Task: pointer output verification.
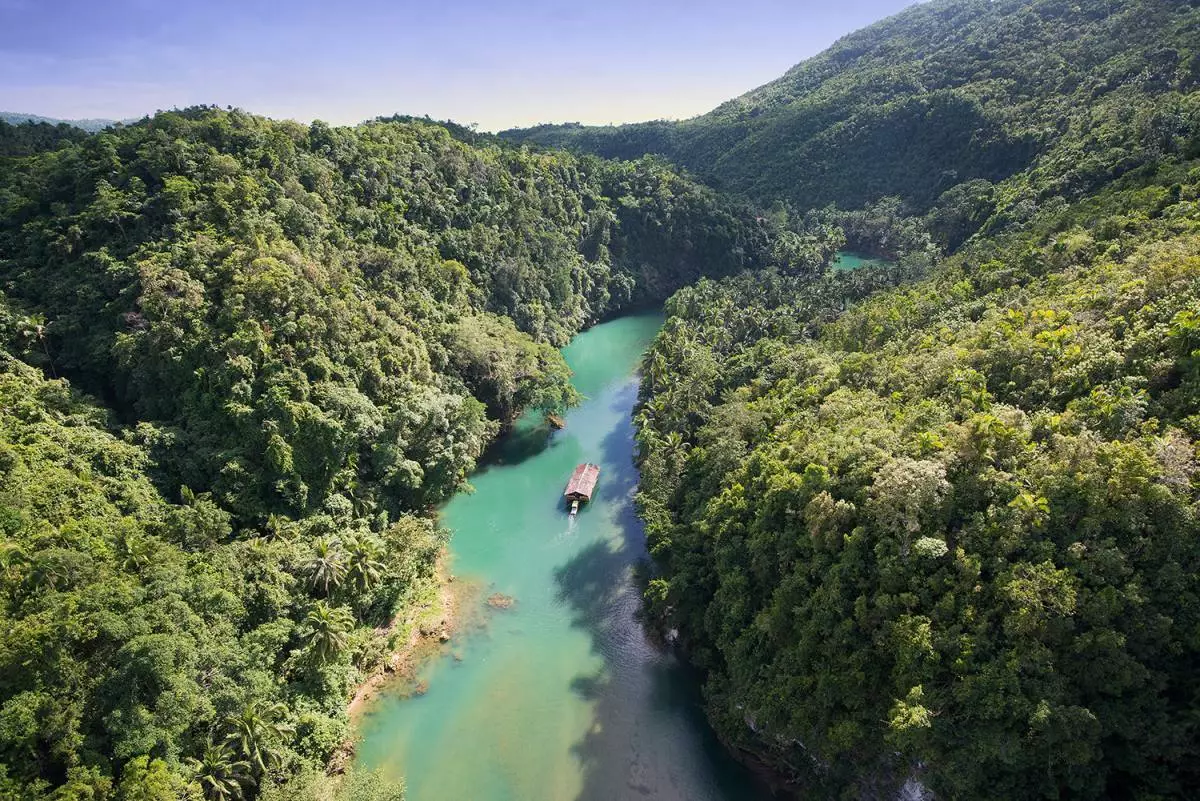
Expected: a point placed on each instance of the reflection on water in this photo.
(561, 696)
(528, 438)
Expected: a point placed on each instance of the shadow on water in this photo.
(651, 752)
(525, 441)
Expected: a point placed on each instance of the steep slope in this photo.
(196, 265)
(947, 530)
(136, 632)
(951, 532)
(944, 93)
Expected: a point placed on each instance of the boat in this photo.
(582, 485)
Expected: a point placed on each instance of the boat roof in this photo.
(583, 480)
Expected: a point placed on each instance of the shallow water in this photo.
(561, 696)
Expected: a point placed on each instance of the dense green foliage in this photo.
(283, 344)
(287, 307)
(935, 519)
(946, 94)
(951, 531)
(139, 633)
(947, 530)
(27, 138)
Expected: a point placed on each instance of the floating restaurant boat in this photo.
(582, 485)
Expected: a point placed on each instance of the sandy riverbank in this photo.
(421, 630)
(425, 625)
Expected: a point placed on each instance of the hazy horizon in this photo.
(494, 65)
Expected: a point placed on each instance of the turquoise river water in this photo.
(561, 697)
(850, 260)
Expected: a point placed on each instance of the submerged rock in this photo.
(499, 600)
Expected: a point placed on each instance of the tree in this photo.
(357, 784)
(144, 779)
(220, 775)
(508, 372)
(329, 627)
(258, 732)
(364, 563)
(35, 328)
(326, 569)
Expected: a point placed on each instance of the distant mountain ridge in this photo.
(90, 124)
(942, 94)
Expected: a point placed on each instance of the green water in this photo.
(562, 696)
(850, 260)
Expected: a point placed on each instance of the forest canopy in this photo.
(242, 361)
(936, 519)
(930, 520)
(946, 529)
(945, 95)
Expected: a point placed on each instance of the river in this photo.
(561, 697)
(852, 260)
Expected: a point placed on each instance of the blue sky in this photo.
(498, 63)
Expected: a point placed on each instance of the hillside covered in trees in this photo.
(941, 102)
(242, 360)
(938, 520)
(950, 532)
(934, 519)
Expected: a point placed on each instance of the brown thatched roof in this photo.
(583, 481)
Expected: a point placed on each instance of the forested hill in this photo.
(951, 532)
(946, 530)
(947, 92)
(240, 360)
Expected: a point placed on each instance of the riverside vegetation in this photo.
(948, 530)
(932, 520)
(242, 360)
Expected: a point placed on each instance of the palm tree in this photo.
(54, 568)
(365, 567)
(258, 733)
(330, 627)
(657, 370)
(134, 551)
(221, 777)
(675, 445)
(327, 568)
(13, 558)
(279, 528)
